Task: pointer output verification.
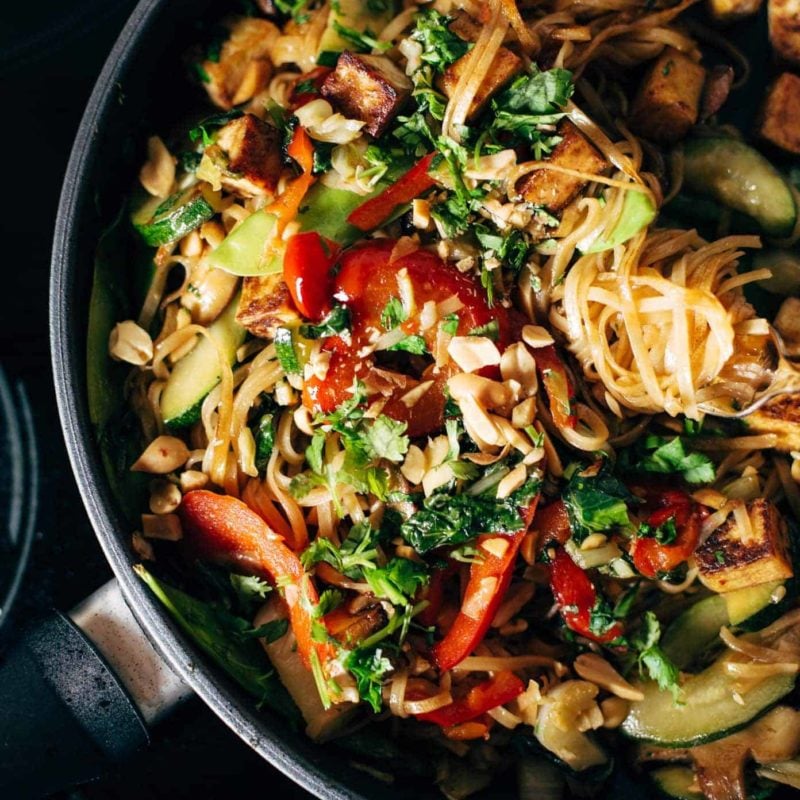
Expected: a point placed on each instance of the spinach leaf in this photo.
(596, 503)
(454, 519)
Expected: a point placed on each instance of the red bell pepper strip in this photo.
(650, 556)
(560, 391)
(488, 582)
(222, 529)
(287, 204)
(552, 524)
(435, 594)
(307, 273)
(501, 688)
(576, 596)
(377, 210)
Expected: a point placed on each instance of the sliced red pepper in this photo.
(222, 529)
(488, 582)
(576, 597)
(552, 524)
(287, 204)
(501, 688)
(560, 391)
(307, 273)
(377, 210)
(435, 594)
(311, 83)
(651, 557)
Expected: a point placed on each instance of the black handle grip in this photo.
(64, 716)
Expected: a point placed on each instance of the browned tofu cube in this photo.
(367, 88)
(730, 10)
(729, 559)
(504, 67)
(784, 28)
(780, 115)
(265, 305)
(251, 150)
(243, 67)
(781, 417)
(666, 105)
(555, 190)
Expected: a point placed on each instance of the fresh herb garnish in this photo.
(393, 314)
(666, 533)
(363, 41)
(668, 457)
(369, 667)
(413, 344)
(205, 128)
(651, 658)
(334, 322)
(264, 436)
(440, 46)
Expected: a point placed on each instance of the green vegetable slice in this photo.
(198, 372)
(742, 179)
(243, 251)
(162, 222)
(707, 708)
(638, 211)
(675, 781)
(285, 349)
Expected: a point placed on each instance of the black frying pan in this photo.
(64, 714)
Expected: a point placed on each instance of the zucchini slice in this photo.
(706, 709)
(355, 15)
(742, 179)
(198, 372)
(163, 221)
(638, 211)
(675, 781)
(697, 628)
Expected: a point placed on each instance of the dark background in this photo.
(50, 54)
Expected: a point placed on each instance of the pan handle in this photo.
(77, 695)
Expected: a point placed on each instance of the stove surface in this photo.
(48, 63)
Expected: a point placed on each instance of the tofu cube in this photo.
(371, 89)
(730, 10)
(780, 116)
(243, 67)
(504, 67)
(728, 560)
(667, 103)
(555, 190)
(784, 28)
(265, 305)
(252, 152)
(780, 416)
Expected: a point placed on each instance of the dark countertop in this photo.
(45, 86)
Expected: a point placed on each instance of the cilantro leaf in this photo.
(398, 581)
(205, 128)
(413, 344)
(337, 320)
(491, 330)
(651, 658)
(541, 92)
(665, 533)
(393, 314)
(271, 631)
(596, 503)
(249, 588)
(454, 519)
(669, 456)
(363, 41)
(369, 667)
(440, 46)
(387, 438)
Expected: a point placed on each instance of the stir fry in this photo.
(452, 382)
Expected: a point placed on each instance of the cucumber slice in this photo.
(556, 725)
(742, 179)
(358, 15)
(674, 782)
(697, 628)
(197, 373)
(638, 212)
(242, 252)
(706, 709)
(162, 222)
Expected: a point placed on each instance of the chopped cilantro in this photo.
(596, 503)
(363, 41)
(413, 344)
(651, 658)
(270, 631)
(512, 249)
(601, 616)
(296, 9)
(393, 314)
(540, 92)
(387, 438)
(719, 557)
(336, 321)
(665, 533)
(668, 456)
(491, 330)
(450, 324)
(204, 129)
(440, 46)
(369, 667)
(398, 581)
